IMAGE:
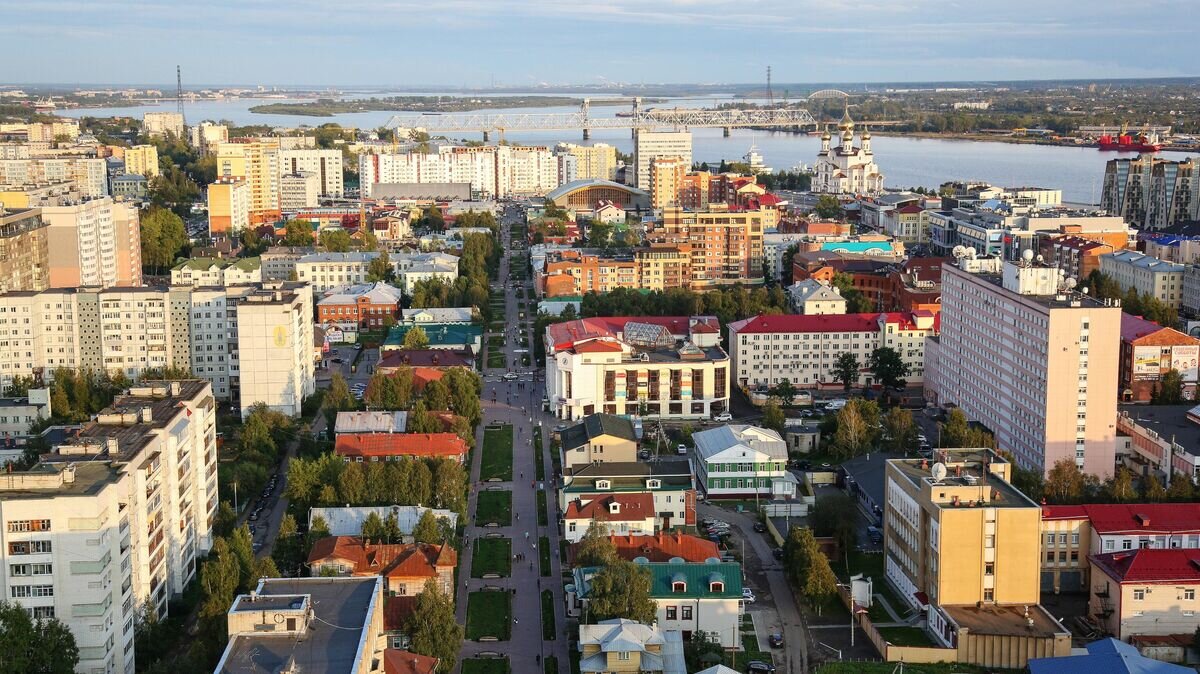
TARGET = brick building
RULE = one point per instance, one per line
(1149, 351)
(367, 306)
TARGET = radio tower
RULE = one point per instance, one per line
(179, 90)
(770, 94)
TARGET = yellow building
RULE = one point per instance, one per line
(257, 162)
(621, 646)
(662, 266)
(666, 181)
(726, 245)
(142, 160)
(961, 544)
(597, 161)
(1146, 593)
(228, 206)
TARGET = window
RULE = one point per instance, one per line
(1062, 539)
(989, 568)
(989, 541)
(687, 613)
(1139, 595)
(1074, 539)
(1126, 544)
(623, 655)
(716, 586)
(1049, 555)
(679, 586)
(1189, 595)
(671, 612)
(988, 594)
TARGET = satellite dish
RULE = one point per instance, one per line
(1027, 255)
(971, 252)
(1040, 259)
(1070, 282)
(939, 471)
(959, 251)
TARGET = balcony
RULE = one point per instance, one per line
(90, 610)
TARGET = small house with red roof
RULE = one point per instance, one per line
(397, 661)
(431, 358)
(628, 514)
(1147, 592)
(1148, 352)
(661, 547)
(405, 567)
(362, 447)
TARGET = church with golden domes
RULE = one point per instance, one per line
(847, 169)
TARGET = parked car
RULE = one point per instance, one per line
(723, 417)
(776, 640)
(510, 376)
(681, 448)
(760, 527)
(759, 667)
(748, 595)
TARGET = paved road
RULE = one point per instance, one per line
(515, 404)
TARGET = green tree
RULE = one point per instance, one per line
(1180, 490)
(416, 338)
(352, 485)
(298, 233)
(1119, 487)
(432, 219)
(437, 395)
(621, 589)
(820, 584)
(338, 397)
(828, 207)
(287, 551)
(226, 518)
(1065, 483)
(336, 240)
(163, 237)
(1169, 390)
(702, 650)
(1153, 490)
(784, 391)
(426, 530)
(836, 516)
(954, 431)
(241, 545)
(43, 646)
(773, 417)
(595, 548)
(449, 485)
(888, 368)
(853, 435)
(599, 234)
(252, 243)
(380, 268)
(220, 576)
(372, 529)
(433, 629)
(845, 369)
(901, 430)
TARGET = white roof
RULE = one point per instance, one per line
(371, 422)
(376, 293)
(348, 521)
(741, 440)
(439, 315)
(812, 290)
(353, 256)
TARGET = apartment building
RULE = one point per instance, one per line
(44, 132)
(326, 165)
(160, 124)
(960, 545)
(1145, 593)
(17, 414)
(115, 520)
(493, 171)
(229, 202)
(405, 567)
(326, 271)
(666, 181)
(206, 136)
(1006, 227)
(90, 175)
(596, 161)
(726, 245)
(1076, 255)
(412, 268)
(1016, 348)
(803, 349)
(94, 243)
(649, 145)
(623, 514)
(575, 272)
(130, 330)
(1150, 192)
(279, 262)
(1145, 274)
(811, 297)
(142, 160)
(24, 250)
(299, 190)
(257, 162)
(667, 367)
(1072, 534)
(200, 272)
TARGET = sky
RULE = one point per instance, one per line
(517, 43)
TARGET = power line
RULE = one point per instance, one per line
(179, 90)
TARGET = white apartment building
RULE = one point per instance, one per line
(1033, 360)
(130, 330)
(325, 271)
(493, 171)
(279, 262)
(163, 123)
(648, 145)
(275, 343)
(94, 243)
(586, 162)
(18, 414)
(113, 523)
(214, 271)
(326, 165)
(299, 190)
(1147, 275)
(90, 175)
(412, 268)
(803, 349)
(207, 135)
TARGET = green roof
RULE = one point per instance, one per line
(696, 576)
(202, 263)
(439, 334)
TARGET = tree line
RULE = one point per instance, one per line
(1145, 305)
(727, 304)
(328, 480)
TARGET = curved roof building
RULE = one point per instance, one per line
(584, 194)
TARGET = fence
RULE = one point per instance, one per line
(891, 652)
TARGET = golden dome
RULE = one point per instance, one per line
(846, 124)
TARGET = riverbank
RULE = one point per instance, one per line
(430, 104)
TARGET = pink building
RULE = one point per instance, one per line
(1030, 358)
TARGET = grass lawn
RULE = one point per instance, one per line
(544, 556)
(497, 453)
(548, 631)
(749, 647)
(543, 518)
(551, 664)
(486, 666)
(905, 636)
(491, 555)
(496, 358)
(489, 614)
(494, 506)
(539, 460)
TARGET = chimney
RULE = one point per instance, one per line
(175, 388)
(110, 445)
(68, 474)
(147, 415)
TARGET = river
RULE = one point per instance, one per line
(905, 161)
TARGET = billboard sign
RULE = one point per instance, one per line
(1146, 363)
(1184, 359)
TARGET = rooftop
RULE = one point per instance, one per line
(594, 426)
(427, 358)
(1151, 565)
(1061, 300)
(697, 579)
(1131, 518)
(205, 263)
(353, 257)
(1143, 261)
(997, 619)
(661, 547)
(331, 643)
(621, 507)
(974, 472)
(714, 441)
(800, 323)
(371, 422)
(440, 445)
(1170, 422)
(439, 334)
(348, 521)
(1110, 656)
(374, 293)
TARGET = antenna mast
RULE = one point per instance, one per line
(770, 94)
(179, 90)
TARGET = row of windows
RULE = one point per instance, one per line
(19, 526)
(29, 547)
(25, 591)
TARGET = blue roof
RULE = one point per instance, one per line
(858, 246)
(1109, 656)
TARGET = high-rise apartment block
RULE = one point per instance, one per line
(228, 206)
(142, 160)
(326, 165)
(666, 181)
(94, 243)
(130, 330)
(1150, 192)
(726, 244)
(598, 161)
(649, 145)
(494, 171)
(257, 162)
(24, 249)
(90, 175)
(206, 136)
(160, 124)
(1028, 356)
(299, 190)
(114, 521)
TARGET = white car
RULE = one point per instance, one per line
(747, 595)
(681, 449)
(510, 376)
(723, 417)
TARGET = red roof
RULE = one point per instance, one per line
(633, 507)
(445, 445)
(598, 346)
(661, 547)
(396, 661)
(909, 209)
(1151, 565)
(793, 323)
(565, 335)
(1132, 518)
(1133, 327)
(397, 560)
(426, 358)
(397, 610)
